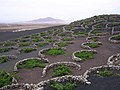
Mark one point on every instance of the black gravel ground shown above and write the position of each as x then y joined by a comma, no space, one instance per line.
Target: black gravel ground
98,83
12,35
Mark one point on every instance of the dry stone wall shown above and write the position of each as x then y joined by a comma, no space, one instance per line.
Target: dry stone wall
21,61
53,65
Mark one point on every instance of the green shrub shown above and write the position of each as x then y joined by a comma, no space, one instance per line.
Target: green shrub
48,37
84,55
67,39
4,50
9,43
96,32
32,63
117,37
34,35
58,86
105,73
80,33
50,32
4,59
42,44
70,86
62,34
37,40
94,39
24,44
93,45
63,86
26,37
62,44
5,79
27,50
61,71
101,25
23,40
54,51
42,34
15,75
49,40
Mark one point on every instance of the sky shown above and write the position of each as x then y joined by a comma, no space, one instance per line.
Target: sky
25,10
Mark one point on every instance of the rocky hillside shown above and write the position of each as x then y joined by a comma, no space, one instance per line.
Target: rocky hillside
106,23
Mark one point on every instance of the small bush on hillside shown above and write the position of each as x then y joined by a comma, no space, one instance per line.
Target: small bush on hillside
62,44
105,73
85,55
61,71
67,39
3,59
54,51
5,79
117,37
4,50
27,50
32,63
93,45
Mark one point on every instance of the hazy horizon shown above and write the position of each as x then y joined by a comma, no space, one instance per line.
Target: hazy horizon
25,10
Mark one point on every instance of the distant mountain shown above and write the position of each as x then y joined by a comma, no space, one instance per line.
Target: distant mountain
48,20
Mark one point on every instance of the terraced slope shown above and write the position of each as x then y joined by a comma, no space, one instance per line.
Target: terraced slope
58,46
